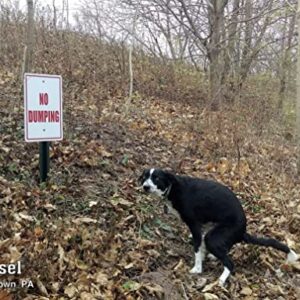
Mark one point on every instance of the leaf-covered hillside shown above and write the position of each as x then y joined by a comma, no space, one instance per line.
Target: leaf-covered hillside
89,232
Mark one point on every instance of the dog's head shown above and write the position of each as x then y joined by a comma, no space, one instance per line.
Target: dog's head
156,181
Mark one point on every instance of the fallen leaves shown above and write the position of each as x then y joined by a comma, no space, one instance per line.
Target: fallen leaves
89,233
5,295
119,201
86,220
292,267
24,216
246,291
71,291
15,255
209,296
41,287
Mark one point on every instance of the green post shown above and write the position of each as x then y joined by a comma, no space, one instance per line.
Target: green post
44,160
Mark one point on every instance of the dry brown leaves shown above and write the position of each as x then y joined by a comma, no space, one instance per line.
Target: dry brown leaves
89,233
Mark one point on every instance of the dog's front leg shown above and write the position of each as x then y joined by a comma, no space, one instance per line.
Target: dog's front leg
199,252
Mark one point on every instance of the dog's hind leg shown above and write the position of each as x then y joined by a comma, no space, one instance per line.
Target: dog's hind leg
199,248
204,251
218,242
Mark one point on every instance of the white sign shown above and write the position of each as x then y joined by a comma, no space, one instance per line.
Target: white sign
43,107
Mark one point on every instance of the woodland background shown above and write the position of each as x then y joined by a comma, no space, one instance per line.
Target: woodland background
202,87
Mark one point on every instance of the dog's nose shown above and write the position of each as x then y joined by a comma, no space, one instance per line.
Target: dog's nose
146,188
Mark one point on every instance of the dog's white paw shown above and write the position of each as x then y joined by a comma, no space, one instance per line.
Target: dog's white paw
221,283
196,270
224,276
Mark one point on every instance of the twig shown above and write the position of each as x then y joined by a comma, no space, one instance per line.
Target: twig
184,292
290,5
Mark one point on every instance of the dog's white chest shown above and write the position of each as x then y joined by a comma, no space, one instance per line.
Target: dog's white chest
207,227
169,209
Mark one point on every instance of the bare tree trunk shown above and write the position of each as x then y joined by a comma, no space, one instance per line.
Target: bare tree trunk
252,46
282,66
54,15
286,60
68,14
28,51
248,30
216,15
230,52
298,93
130,73
232,33
245,55
131,78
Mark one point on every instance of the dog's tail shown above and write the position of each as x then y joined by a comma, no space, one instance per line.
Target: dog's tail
270,242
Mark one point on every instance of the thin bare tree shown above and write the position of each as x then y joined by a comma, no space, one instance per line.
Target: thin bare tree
298,91
28,50
286,47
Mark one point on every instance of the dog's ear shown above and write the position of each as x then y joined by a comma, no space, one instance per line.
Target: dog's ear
140,179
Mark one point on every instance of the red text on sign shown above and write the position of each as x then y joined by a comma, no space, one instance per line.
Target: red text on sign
43,116
44,100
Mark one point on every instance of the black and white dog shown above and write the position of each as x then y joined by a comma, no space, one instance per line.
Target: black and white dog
201,204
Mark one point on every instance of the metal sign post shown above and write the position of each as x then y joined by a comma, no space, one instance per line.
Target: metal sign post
43,114
44,160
